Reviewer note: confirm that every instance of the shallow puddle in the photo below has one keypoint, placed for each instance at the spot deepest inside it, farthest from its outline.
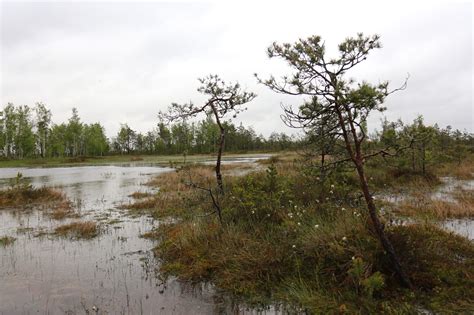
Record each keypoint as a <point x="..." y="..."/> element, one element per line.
<point x="442" y="192"/>
<point x="449" y="185"/>
<point x="463" y="227"/>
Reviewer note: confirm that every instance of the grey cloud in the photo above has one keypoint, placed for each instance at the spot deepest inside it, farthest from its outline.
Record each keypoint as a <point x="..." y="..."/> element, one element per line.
<point x="123" y="62"/>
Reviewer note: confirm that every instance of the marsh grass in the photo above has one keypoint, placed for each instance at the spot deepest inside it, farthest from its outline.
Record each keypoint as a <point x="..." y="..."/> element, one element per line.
<point x="78" y="159"/>
<point x="24" y="230"/>
<point x="177" y="195"/>
<point x="140" y="195"/>
<point x="52" y="201"/>
<point x="386" y="179"/>
<point x="114" y="221"/>
<point x="465" y="196"/>
<point x="279" y="244"/>
<point x="28" y="196"/>
<point x="6" y="241"/>
<point x="78" y="230"/>
<point x="321" y="266"/>
<point x="384" y="175"/>
<point x="62" y="210"/>
<point x="422" y="204"/>
<point x="463" y="170"/>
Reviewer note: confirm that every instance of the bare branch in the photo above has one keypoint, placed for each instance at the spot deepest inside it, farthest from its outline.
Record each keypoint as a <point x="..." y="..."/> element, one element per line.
<point x="402" y="87"/>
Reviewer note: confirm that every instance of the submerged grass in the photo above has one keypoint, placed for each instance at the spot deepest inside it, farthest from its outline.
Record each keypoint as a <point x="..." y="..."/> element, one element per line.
<point x="6" y="241"/>
<point x="63" y="209"/>
<point x="140" y="195"/>
<point x="425" y="206"/>
<point x="78" y="230"/>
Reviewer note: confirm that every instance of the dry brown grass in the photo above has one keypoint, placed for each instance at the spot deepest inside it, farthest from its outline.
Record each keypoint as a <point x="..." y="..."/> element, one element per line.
<point x="176" y="180"/>
<point x="177" y="195"/>
<point x="282" y="157"/>
<point x="55" y="202"/>
<point x="287" y="164"/>
<point x="418" y="187"/>
<point x="62" y="210"/>
<point x="464" y="196"/>
<point x="175" y="191"/>
<point x="78" y="229"/>
<point x="29" y="196"/>
<point x="463" y="170"/>
<point x="198" y="174"/>
<point x="424" y="206"/>
<point x="140" y="195"/>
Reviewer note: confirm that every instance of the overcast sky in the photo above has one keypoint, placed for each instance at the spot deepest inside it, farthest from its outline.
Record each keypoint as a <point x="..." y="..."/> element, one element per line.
<point x="122" y="62"/>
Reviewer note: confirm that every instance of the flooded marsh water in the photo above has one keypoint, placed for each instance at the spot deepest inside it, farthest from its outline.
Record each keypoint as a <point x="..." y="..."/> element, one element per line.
<point x="113" y="273"/>
<point x="107" y="274"/>
<point x="444" y="192"/>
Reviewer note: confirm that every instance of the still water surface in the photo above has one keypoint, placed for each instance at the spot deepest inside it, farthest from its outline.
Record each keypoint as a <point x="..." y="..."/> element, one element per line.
<point x="50" y="275"/>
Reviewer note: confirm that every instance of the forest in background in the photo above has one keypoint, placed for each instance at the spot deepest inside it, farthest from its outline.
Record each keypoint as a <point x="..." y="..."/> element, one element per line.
<point x="27" y="132"/>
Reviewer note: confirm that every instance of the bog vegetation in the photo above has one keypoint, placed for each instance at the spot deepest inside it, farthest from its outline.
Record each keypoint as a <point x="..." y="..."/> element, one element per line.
<point x="21" y="192"/>
<point x="78" y="230"/>
<point x="293" y="239"/>
<point x="308" y="230"/>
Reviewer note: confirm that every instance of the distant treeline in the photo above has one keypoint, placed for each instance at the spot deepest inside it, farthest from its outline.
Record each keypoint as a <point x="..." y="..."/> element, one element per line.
<point x="30" y="132"/>
<point x="409" y="148"/>
<point x="419" y="146"/>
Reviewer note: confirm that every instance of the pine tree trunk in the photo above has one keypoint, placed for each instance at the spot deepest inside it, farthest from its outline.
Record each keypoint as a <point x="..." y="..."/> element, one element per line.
<point x="220" y="184"/>
<point x="424" y="159"/>
<point x="379" y="229"/>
